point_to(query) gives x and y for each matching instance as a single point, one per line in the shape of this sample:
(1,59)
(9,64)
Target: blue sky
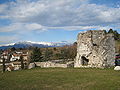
(55,20)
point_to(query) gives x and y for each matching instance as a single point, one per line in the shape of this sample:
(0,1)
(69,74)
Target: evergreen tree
(115,33)
(111,31)
(13,49)
(36,55)
(47,54)
(65,53)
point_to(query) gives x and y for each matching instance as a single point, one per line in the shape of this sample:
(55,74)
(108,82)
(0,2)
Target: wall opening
(94,44)
(84,60)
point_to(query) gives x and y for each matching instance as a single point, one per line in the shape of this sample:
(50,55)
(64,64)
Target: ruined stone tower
(95,48)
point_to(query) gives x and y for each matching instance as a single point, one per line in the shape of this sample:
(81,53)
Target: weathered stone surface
(70,64)
(31,65)
(95,48)
(16,68)
(50,64)
(117,68)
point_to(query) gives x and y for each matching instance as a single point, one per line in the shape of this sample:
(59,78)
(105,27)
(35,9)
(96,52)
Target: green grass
(61,79)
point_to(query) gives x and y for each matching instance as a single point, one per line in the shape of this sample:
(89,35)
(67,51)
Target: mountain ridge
(26,44)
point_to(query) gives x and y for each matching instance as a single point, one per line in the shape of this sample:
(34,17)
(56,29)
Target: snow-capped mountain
(27,44)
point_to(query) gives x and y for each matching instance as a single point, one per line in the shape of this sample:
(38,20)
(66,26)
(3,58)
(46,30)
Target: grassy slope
(61,79)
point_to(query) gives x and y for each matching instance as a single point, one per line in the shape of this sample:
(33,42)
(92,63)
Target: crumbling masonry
(95,48)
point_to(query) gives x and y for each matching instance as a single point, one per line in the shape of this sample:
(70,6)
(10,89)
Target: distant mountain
(27,44)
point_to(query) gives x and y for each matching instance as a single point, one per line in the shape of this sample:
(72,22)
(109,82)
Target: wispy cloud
(41,15)
(70,28)
(60,13)
(8,39)
(22,26)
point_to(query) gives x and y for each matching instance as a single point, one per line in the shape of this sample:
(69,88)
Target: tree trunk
(22,63)
(4,64)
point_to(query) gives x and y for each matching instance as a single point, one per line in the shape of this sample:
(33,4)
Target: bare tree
(22,63)
(3,64)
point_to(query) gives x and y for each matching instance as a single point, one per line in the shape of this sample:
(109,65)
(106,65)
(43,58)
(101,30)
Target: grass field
(61,79)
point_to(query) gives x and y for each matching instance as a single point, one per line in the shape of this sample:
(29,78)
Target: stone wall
(50,64)
(95,48)
(53,64)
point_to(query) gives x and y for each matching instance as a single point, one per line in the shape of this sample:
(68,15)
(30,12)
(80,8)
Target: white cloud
(8,39)
(34,26)
(11,27)
(66,14)
(70,28)
(22,27)
(3,7)
(26,16)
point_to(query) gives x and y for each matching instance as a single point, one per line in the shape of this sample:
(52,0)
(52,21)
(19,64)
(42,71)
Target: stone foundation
(49,64)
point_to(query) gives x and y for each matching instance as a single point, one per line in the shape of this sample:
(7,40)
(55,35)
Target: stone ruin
(95,48)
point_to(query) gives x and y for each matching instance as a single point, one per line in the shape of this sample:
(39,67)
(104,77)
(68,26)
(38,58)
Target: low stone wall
(50,64)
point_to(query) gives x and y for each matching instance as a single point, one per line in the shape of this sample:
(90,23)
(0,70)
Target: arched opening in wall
(84,60)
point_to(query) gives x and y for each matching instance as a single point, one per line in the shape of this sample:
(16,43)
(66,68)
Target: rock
(10,68)
(49,64)
(95,48)
(70,64)
(31,65)
(16,68)
(117,68)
